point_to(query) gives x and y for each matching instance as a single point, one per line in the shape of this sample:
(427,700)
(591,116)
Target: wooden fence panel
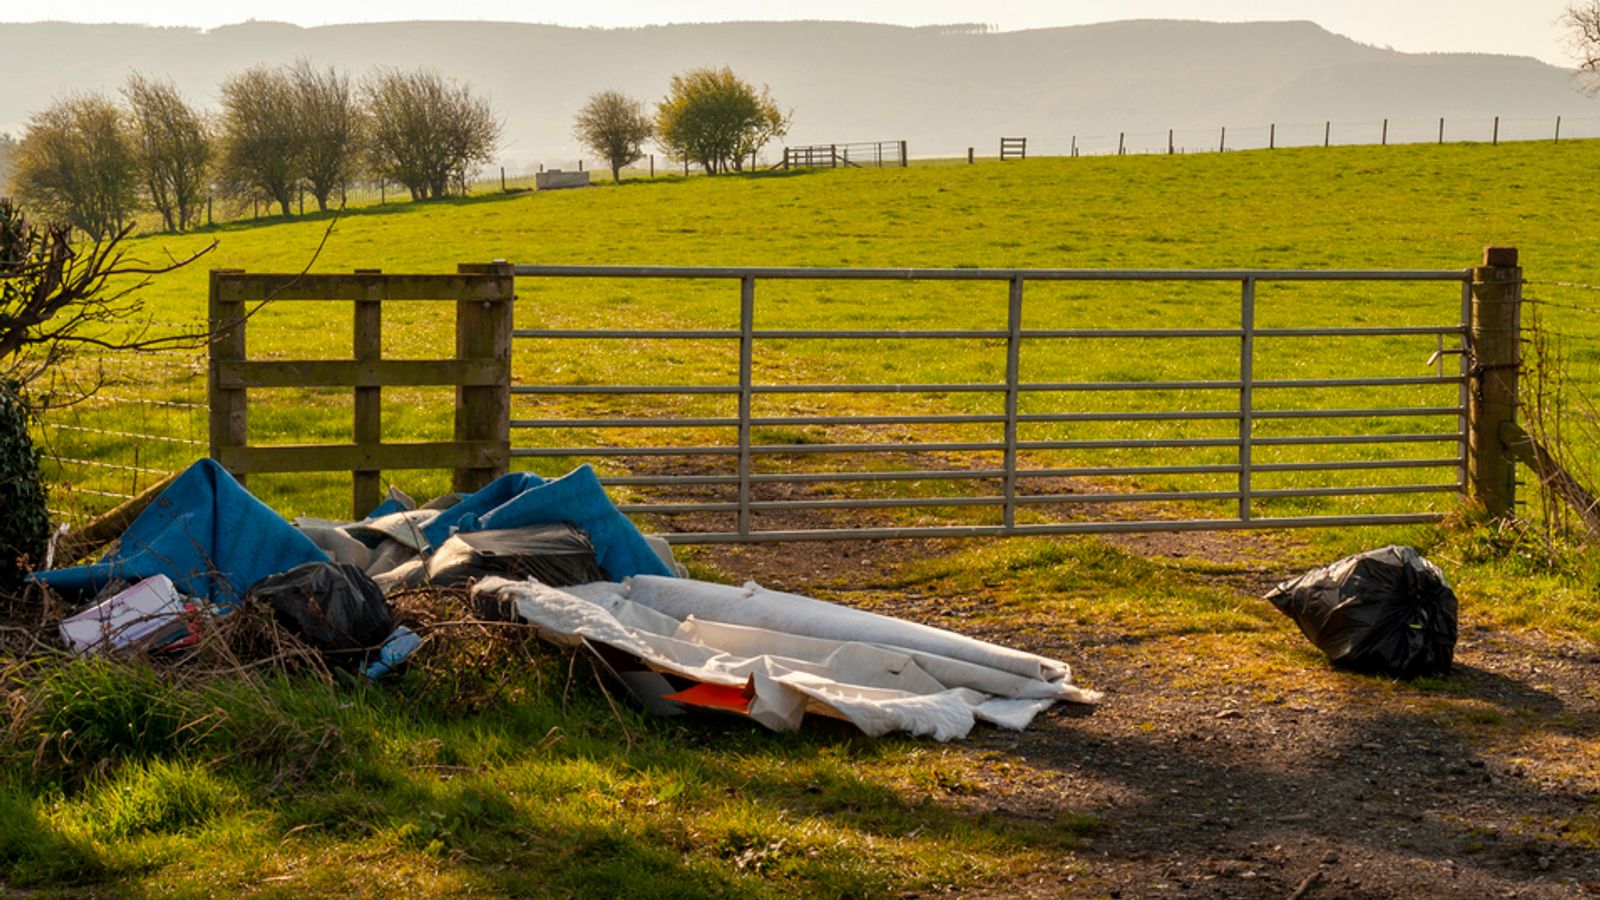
(480,372)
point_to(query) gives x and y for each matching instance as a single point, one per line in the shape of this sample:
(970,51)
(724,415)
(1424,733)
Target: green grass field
(1395,207)
(512,781)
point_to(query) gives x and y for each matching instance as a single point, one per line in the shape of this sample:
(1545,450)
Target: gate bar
(798,273)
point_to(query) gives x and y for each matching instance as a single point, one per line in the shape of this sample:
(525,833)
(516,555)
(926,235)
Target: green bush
(25,525)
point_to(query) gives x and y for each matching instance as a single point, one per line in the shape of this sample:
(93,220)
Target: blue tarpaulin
(215,540)
(205,532)
(521,499)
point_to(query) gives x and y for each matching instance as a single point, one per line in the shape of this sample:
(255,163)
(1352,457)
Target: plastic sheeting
(206,533)
(773,656)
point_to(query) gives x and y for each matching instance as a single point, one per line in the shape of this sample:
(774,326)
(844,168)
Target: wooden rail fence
(480,373)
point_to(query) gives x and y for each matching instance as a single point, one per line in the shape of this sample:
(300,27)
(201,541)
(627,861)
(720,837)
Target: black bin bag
(1386,611)
(334,607)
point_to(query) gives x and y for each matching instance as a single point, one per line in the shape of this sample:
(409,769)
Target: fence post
(1222,146)
(1122,142)
(1327,134)
(366,486)
(969,156)
(904,160)
(653,162)
(1496,131)
(1272,136)
(1385,132)
(1441,129)
(502,179)
(229,425)
(1558,129)
(1169,142)
(483,331)
(1494,343)
(1074,146)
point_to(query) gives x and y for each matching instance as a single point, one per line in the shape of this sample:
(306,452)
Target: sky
(1522,27)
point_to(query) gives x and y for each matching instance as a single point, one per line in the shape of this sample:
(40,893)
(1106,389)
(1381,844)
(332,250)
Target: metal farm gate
(721,491)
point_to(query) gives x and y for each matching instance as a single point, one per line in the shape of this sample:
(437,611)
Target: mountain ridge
(941,88)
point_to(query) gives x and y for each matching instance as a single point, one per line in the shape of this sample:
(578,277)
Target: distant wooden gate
(480,372)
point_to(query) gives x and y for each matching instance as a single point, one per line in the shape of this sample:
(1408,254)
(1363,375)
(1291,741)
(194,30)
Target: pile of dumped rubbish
(559,556)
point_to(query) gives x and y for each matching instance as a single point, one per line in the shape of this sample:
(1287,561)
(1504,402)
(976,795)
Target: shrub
(25,525)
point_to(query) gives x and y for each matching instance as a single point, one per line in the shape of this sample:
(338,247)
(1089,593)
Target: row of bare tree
(95,163)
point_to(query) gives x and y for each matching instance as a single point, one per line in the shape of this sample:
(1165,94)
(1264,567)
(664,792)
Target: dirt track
(1241,765)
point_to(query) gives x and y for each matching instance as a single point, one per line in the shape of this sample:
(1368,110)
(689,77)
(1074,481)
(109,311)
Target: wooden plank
(360,373)
(1552,474)
(229,424)
(366,485)
(483,412)
(256,287)
(366,457)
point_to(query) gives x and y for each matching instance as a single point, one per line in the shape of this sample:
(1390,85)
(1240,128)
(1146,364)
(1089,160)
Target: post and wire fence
(141,417)
(517,177)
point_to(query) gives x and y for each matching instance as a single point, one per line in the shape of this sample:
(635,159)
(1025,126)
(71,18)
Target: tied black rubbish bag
(1386,611)
(334,607)
(558,555)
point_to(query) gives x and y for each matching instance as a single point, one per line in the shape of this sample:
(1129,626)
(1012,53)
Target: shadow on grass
(383,209)
(34,851)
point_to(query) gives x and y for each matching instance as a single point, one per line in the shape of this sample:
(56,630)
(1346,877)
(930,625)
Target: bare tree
(262,147)
(76,162)
(1582,19)
(173,145)
(57,296)
(427,132)
(330,128)
(615,126)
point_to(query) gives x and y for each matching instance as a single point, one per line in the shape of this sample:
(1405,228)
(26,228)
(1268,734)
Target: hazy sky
(1524,27)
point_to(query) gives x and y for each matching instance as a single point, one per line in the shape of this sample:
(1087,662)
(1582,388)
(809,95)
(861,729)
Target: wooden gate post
(229,408)
(1494,342)
(366,485)
(483,331)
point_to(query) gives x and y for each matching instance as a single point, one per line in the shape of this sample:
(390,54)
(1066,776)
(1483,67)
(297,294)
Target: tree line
(94,162)
(710,117)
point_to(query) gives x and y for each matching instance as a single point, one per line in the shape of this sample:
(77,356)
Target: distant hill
(940,89)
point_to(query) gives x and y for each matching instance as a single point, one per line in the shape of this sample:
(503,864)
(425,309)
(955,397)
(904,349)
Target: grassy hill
(492,769)
(1381,208)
